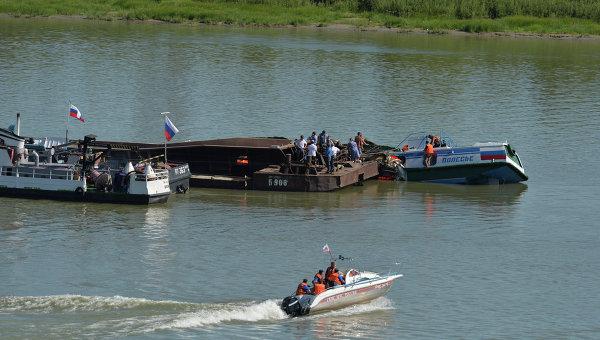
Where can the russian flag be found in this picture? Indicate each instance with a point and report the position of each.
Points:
(170, 129)
(492, 155)
(75, 113)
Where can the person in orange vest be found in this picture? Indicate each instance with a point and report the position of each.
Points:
(328, 272)
(340, 277)
(318, 288)
(303, 288)
(337, 278)
(429, 153)
(318, 277)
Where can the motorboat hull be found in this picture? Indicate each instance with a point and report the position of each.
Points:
(349, 296)
(483, 163)
(488, 173)
(179, 178)
(338, 297)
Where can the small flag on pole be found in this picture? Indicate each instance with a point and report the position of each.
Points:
(75, 113)
(170, 129)
(326, 249)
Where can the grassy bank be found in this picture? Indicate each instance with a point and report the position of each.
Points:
(580, 17)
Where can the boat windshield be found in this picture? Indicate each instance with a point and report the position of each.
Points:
(417, 141)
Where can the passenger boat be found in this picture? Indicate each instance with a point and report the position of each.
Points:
(23, 175)
(481, 163)
(360, 287)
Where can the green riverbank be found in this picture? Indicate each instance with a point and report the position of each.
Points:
(544, 17)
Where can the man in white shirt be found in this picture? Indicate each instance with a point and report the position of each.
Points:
(302, 142)
(336, 150)
(312, 153)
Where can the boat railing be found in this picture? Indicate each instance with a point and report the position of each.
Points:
(17, 171)
(157, 175)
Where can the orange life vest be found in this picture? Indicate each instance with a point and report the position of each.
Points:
(333, 277)
(319, 288)
(319, 276)
(329, 271)
(300, 289)
(429, 149)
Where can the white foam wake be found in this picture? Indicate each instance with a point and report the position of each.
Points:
(72, 303)
(118, 315)
(253, 312)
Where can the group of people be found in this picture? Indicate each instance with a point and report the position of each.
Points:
(332, 277)
(326, 146)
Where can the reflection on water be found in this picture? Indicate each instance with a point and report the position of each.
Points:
(371, 192)
(478, 194)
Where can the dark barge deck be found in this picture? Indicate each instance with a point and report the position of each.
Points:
(250, 163)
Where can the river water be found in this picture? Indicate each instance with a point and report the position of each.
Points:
(514, 261)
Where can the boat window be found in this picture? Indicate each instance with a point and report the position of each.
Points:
(417, 141)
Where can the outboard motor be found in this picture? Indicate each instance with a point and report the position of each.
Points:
(297, 305)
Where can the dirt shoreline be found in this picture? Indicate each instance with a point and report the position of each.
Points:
(326, 27)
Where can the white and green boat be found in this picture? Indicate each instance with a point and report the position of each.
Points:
(480, 163)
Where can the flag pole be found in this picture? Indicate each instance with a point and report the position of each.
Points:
(67, 124)
(165, 114)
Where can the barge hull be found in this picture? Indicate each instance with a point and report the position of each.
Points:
(271, 179)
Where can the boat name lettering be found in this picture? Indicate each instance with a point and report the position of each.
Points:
(181, 170)
(340, 296)
(457, 159)
(277, 182)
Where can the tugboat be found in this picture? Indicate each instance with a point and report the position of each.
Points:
(360, 287)
(481, 163)
(23, 175)
(116, 155)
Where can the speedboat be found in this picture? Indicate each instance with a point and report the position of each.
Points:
(481, 163)
(360, 287)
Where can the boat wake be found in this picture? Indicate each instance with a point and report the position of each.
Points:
(78, 315)
(252, 312)
(117, 315)
(80, 303)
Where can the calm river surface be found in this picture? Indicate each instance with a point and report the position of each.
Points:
(515, 261)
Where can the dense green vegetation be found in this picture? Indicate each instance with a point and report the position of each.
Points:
(534, 16)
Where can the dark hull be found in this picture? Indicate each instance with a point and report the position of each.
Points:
(179, 179)
(271, 179)
(483, 173)
(89, 196)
